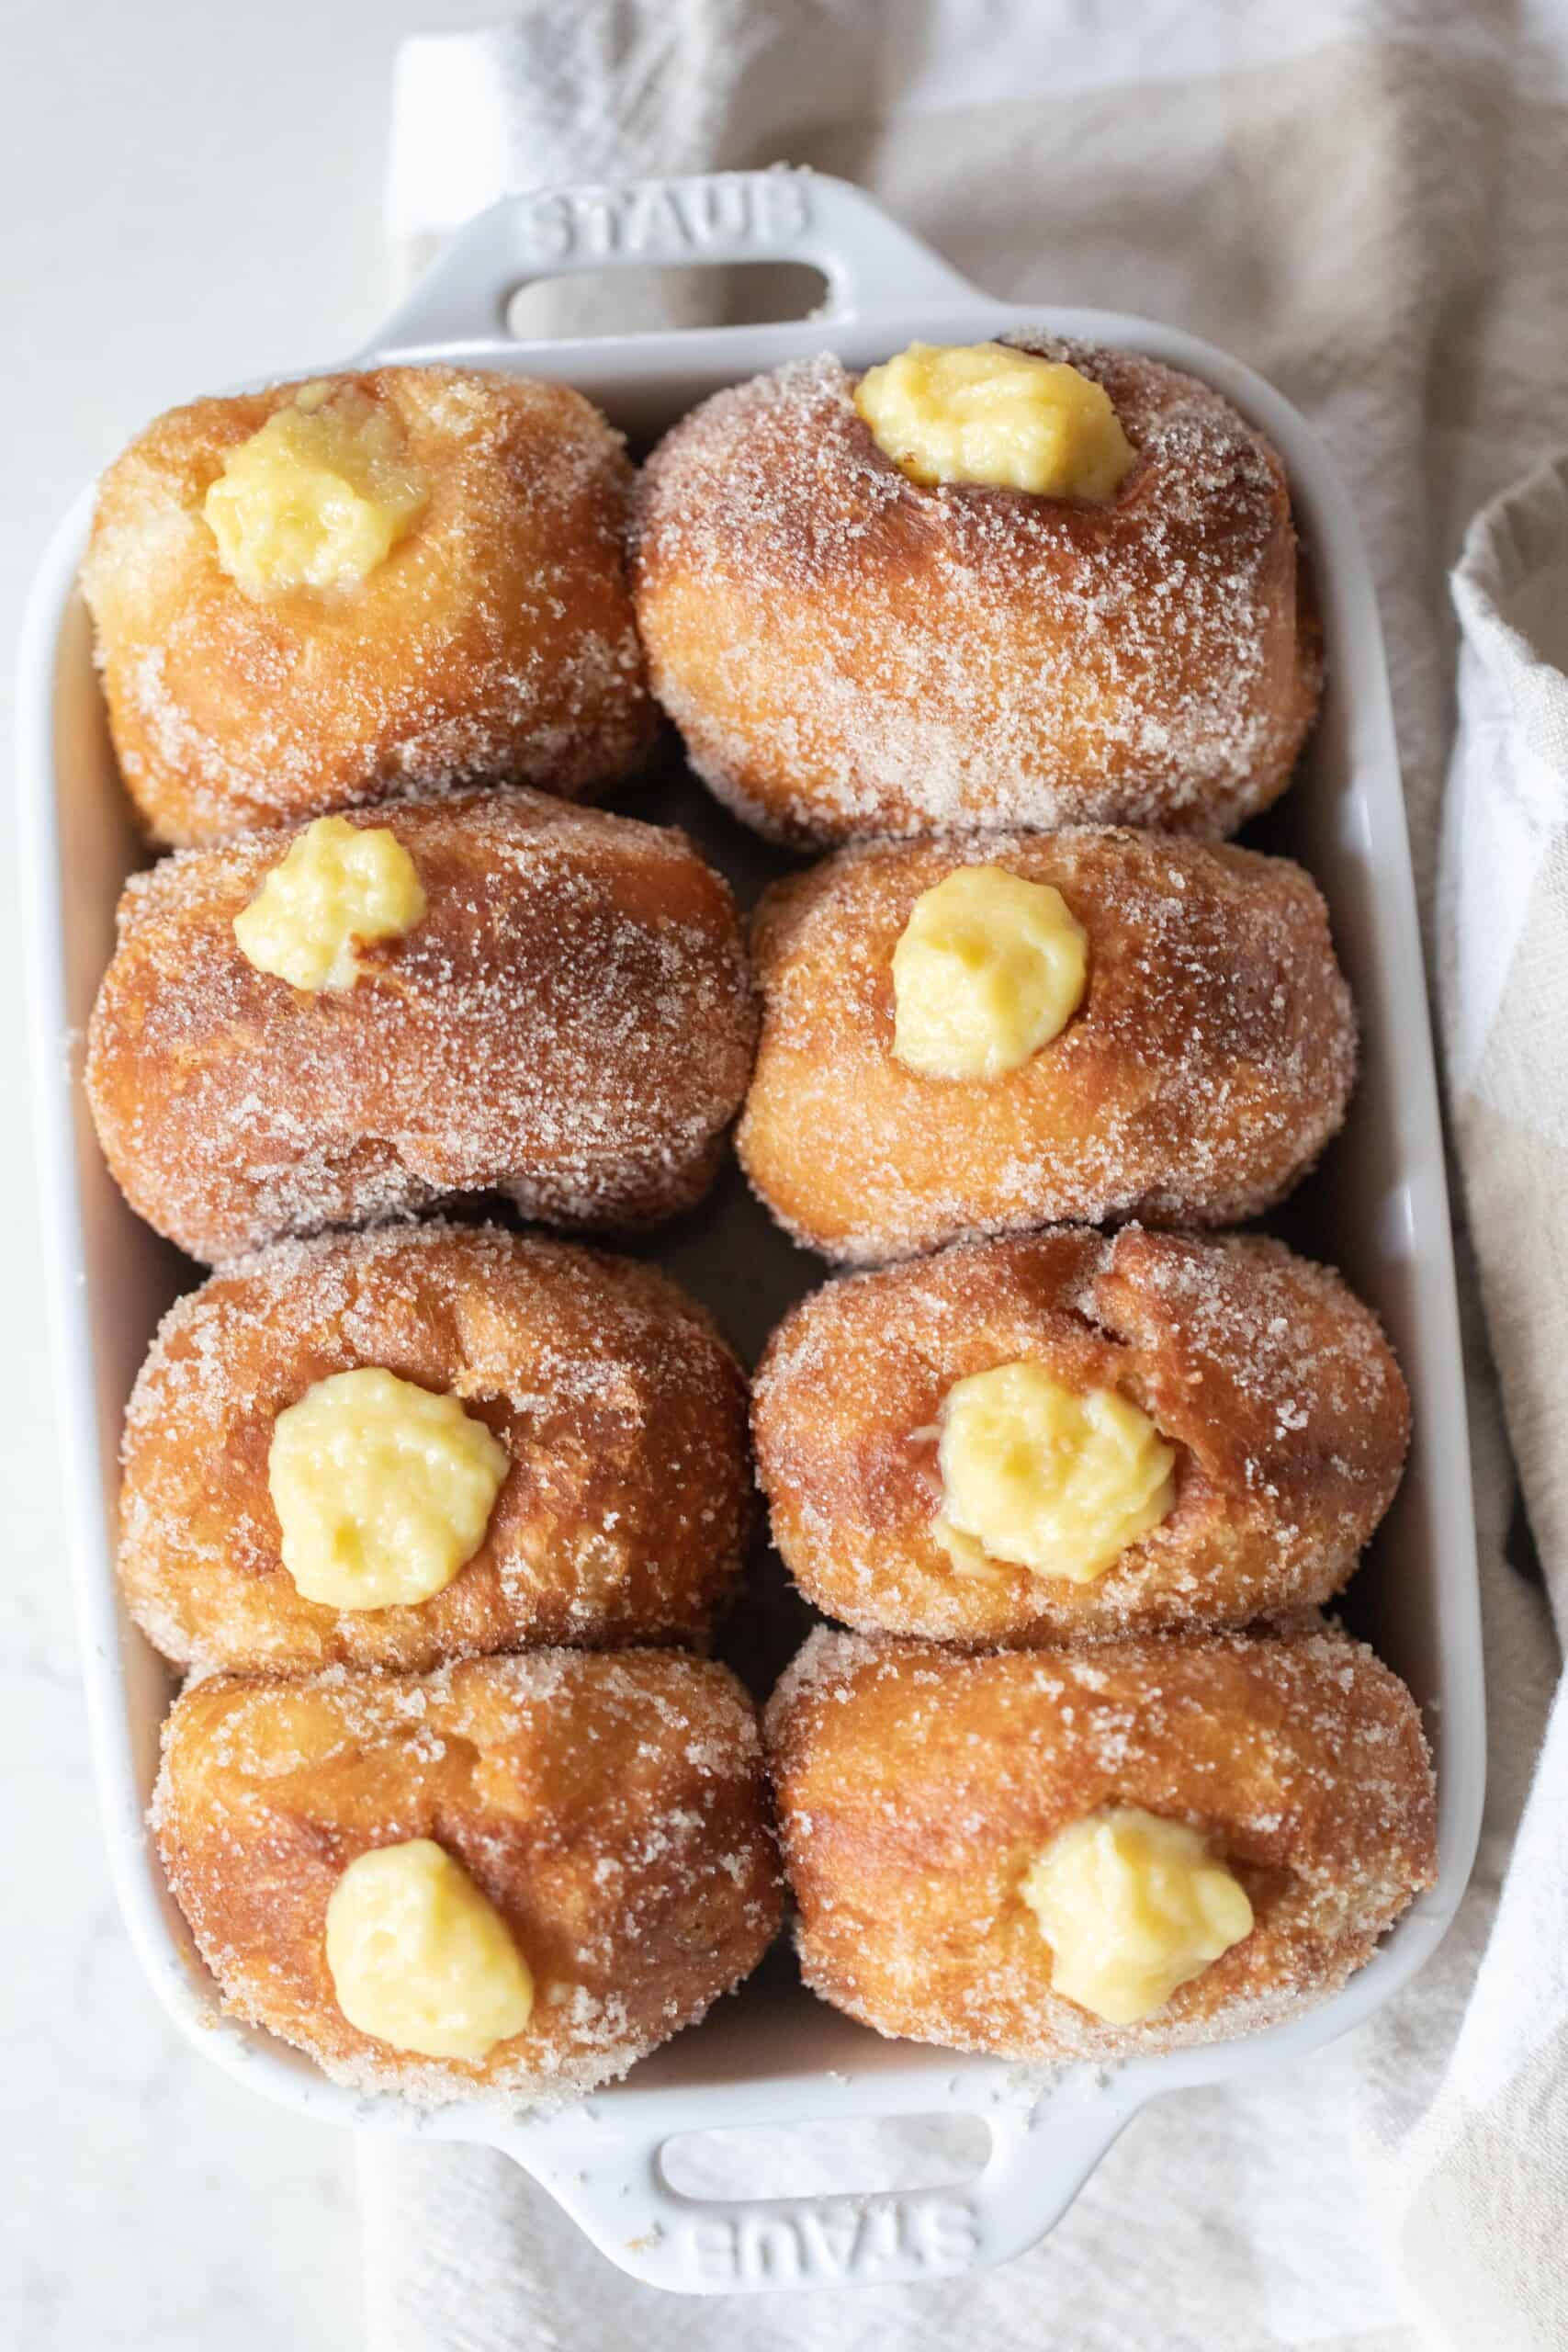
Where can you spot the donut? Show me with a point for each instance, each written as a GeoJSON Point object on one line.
{"type": "Point", "coordinates": [1200, 1835]}
{"type": "Point", "coordinates": [564, 1017]}
{"type": "Point", "coordinates": [1204, 1060]}
{"type": "Point", "coordinates": [318, 595]}
{"type": "Point", "coordinates": [849, 653]}
{"type": "Point", "coordinates": [617, 1509]}
{"type": "Point", "coordinates": [564, 1858]}
{"type": "Point", "coordinates": [1063, 1436]}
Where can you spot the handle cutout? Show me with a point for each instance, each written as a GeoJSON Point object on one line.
{"type": "Point", "coordinates": [849, 2157]}
{"type": "Point", "coordinates": [648, 299]}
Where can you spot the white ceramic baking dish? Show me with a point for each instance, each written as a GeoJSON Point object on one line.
{"type": "Point", "coordinates": [1378, 1208]}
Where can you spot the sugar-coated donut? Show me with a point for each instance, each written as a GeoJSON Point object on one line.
{"type": "Point", "coordinates": [1209, 1062]}
{"type": "Point", "coordinates": [917, 1789]}
{"type": "Point", "coordinates": [1272, 1384]}
{"type": "Point", "coordinates": [494, 643]}
{"type": "Point", "coordinates": [622, 1515]}
{"type": "Point", "coordinates": [613, 1810]}
{"type": "Point", "coordinates": [849, 653]}
{"type": "Point", "coordinates": [570, 1022]}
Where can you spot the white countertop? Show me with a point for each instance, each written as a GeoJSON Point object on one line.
{"type": "Point", "coordinates": [185, 199]}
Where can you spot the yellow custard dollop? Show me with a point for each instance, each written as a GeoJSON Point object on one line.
{"type": "Point", "coordinates": [1132, 1906]}
{"type": "Point", "coordinates": [382, 1489]}
{"type": "Point", "coordinates": [983, 412]}
{"type": "Point", "coordinates": [1045, 1477]}
{"type": "Point", "coordinates": [339, 888]}
{"type": "Point", "coordinates": [421, 1959]}
{"type": "Point", "coordinates": [989, 969]}
{"type": "Point", "coordinates": [317, 497]}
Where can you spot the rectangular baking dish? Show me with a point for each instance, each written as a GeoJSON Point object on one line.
{"type": "Point", "coordinates": [1378, 1208]}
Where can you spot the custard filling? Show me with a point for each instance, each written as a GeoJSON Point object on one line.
{"type": "Point", "coordinates": [421, 1959]}
{"type": "Point", "coordinates": [989, 969]}
{"type": "Point", "coordinates": [339, 888]}
{"type": "Point", "coordinates": [985, 414]}
{"type": "Point", "coordinates": [318, 496]}
{"type": "Point", "coordinates": [1047, 1477]}
{"type": "Point", "coordinates": [383, 1490]}
{"type": "Point", "coordinates": [1132, 1906]}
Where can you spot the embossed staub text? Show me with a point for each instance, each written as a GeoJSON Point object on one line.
{"type": "Point", "coordinates": [670, 219]}
{"type": "Point", "coordinates": [884, 2236]}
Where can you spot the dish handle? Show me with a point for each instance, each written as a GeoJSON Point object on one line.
{"type": "Point", "coordinates": [872, 265]}
{"type": "Point", "coordinates": [612, 2183]}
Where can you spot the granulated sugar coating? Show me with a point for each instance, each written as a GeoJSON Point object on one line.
{"type": "Point", "coordinates": [847, 653]}
{"type": "Point", "coordinates": [1209, 1062]}
{"type": "Point", "coordinates": [625, 1508]}
{"type": "Point", "coordinates": [573, 1026]}
{"type": "Point", "coordinates": [917, 1788]}
{"type": "Point", "coordinates": [570, 1023]}
{"type": "Point", "coordinates": [495, 644]}
{"type": "Point", "coordinates": [1273, 1384]}
{"type": "Point", "coordinates": [613, 1809]}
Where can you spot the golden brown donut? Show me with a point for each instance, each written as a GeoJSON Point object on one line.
{"type": "Point", "coordinates": [494, 644]}
{"type": "Point", "coordinates": [570, 1023]}
{"type": "Point", "coordinates": [611, 1808]}
{"type": "Point", "coordinates": [916, 1788]}
{"type": "Point", "coordinates": [1209, 1063]}
{"type": "Point", "coordinates": [622, 1517]}
{"type": "Point", "coordinates": [1271, 1382]}
{"type": "Point", "coordinates": [848, 653]}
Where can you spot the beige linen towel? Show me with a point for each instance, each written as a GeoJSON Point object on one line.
{"type": "Point", "coordinates": [1368, 203]}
